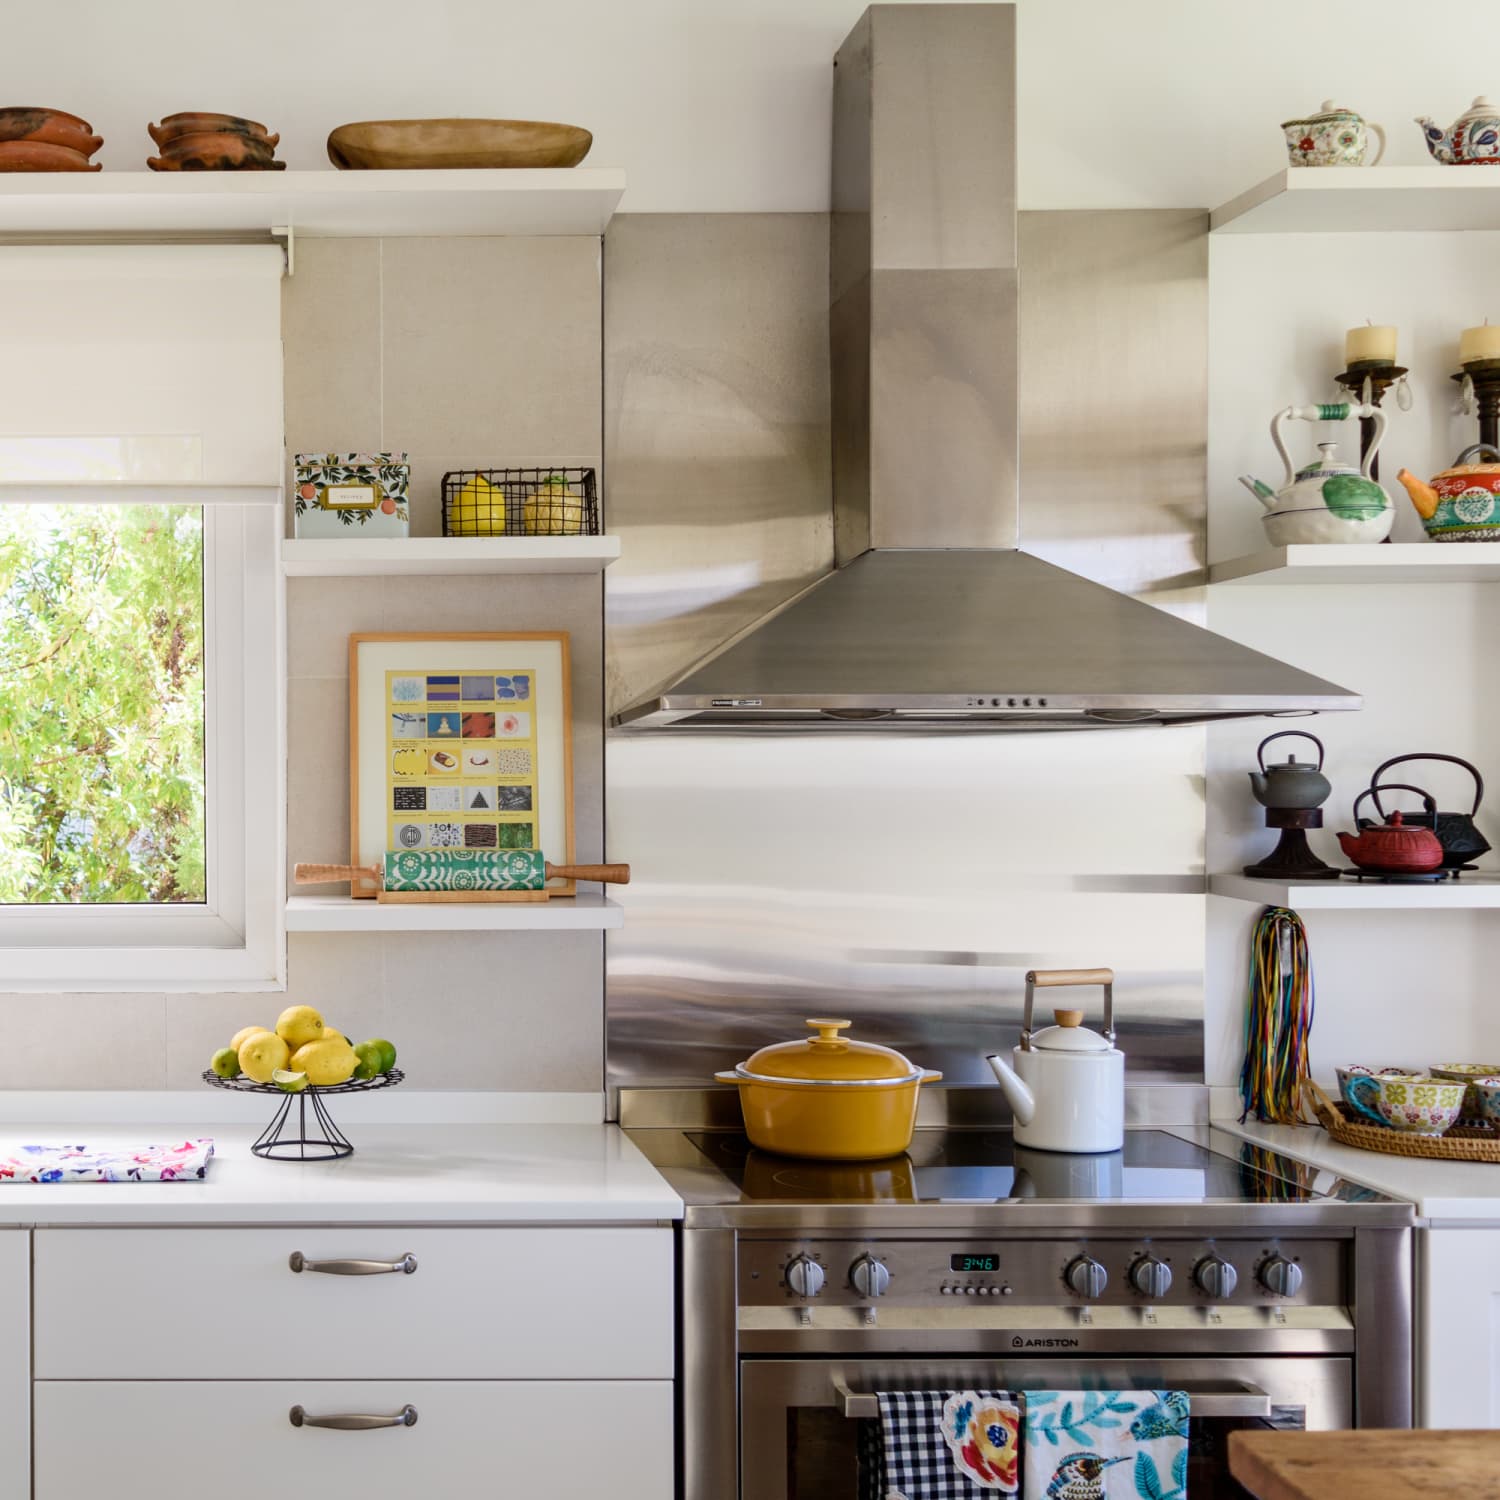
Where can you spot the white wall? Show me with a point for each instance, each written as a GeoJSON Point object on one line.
{"type": "Point", "coordinates": [1401, 987]}
{"type": "Point", "coordinates": [720, 107]}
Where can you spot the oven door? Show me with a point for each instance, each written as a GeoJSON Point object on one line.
{"type": "Point", "coordinates": [799, 1418]}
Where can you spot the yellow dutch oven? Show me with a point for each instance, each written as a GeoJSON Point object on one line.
{"type": "Point", "coordinates": [828, 1097]}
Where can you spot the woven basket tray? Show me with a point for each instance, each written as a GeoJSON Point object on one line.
{"type": "Point", "coordinates": [1458, 1143]}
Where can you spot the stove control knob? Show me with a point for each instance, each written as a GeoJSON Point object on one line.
{"type": "Point", "coordinates": [1281, 1276]}
{"type": "Point", "coordinates": [804, 1276]}
{"type": "Point", "coordinates": [868, 1277]}
{"type": "Point", "coordinates": [1151, 1277]}
{"type": "Point", "coordinates": [1086, 1277]}
{"type": "Point", "coordinates": [1216, 1278]}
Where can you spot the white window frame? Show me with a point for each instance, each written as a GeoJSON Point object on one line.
{"type": "Point", "coordinates": [236, 939]}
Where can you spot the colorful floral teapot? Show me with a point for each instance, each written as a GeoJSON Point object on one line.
{"type": "Point", "coordinates": [1333, 137]}
{"type": "Point", "coordinates": [1462, 504]}
{"type": "Point", "coordinates": [1328, 501]}
{"type": "Point", "coordinates": [1472, 140]}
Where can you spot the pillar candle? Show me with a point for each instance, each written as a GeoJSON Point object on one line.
{"type": "Point", "coordinates": [1372, 342]}
{"type": "Point", "coordinates": [1478, 343]}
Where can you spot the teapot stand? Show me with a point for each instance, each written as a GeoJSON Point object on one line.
{"type": "Point", "coordinates": [1405, 877]}
{"type": "Point", "coordinates": [1292, 859]}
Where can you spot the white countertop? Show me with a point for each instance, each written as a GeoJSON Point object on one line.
{"type": "Point", "coordinates": [399, 1174]}
{"type": "Point", "coordinates": [1443, 1191]}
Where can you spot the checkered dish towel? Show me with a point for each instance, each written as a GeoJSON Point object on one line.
{"type": "Point", "coordinates": [1106, 1445]}
{"type": "Point", "coordinates": [185, 1162]}
{"type": "Point", "coordinates": [940, 1445]}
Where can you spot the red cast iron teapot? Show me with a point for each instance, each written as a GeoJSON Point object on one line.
{"type": "Point", "coordinates": [1394, 847]}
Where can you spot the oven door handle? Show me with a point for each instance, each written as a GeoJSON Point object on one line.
{"type": "Point", "coordinates": [1243, 1400]}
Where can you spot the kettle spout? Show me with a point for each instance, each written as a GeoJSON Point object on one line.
{"type": "Point", "coordinates": [1020, 1098]}
{"type": "Point", "coordinates": [1260, 489]}
{"type": "Point", "coordinates": [1259, 785]}
{"type": "Point", "coordinates": [1437, 140]}
{"type": "Point", "coordinates": [1350, 844]}
{"type": "Point", "coordinates": [1423, 496]}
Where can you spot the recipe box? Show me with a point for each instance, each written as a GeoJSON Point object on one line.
{"type": "Point", "coordinates": [351, 494]}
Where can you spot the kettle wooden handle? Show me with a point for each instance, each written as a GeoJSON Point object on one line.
{"type": "Point", "coordinates": [1050, 978]}
{"type": "Point", "coordinates": [1454, 760]}
{"type": "Point", "coordinates": [1301, 734]}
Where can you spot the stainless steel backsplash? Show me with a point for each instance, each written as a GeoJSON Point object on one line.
{"type": "Point", "coordinates": [907, 882]}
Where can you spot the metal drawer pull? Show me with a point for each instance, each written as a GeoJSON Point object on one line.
{"type": "Point", "coordinates": [354, 1421]}
{"type": "Point", "coordinates": [299, 1262]}
{"type": "Point", "coordinates": [1243, 1400]}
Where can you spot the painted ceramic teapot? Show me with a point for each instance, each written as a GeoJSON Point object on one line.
{"type": "Point", "coordinates": [1333, 137]}
{"type": "Point", "coordinates": [1329, 500]}
{"type": "Point", "coordinates": [1472, 140]}
{"type": "Point", "coordinates": [1462, 504]}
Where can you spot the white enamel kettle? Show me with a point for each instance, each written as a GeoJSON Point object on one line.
{"type": "Point", "coordinates": [1066, 1084]}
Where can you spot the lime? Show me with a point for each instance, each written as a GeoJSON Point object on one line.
{"type": "Point", "coordinates": [291, 1083]}
{"type": "Point", "coordinates": [371, 1056]}
{"type": "Point", "coordinates": [298, 1025]}
{"type": "Point", "coordinates": [226, 1063]}
{"type": "Point", "coordinates": [388, 1060]}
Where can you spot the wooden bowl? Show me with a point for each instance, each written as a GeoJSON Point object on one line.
{"type": "Point", "coordinates": [393, 145]}
{"type": "Point", "coordinates": [50, 127]}
{"type": "Point", "coordinates": [196, 122]}
{"type": "Point", "coordinates": [216, 151]}
{"type": "Point", "coordinates": [41, 156]}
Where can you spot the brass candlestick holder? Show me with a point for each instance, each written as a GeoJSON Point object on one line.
{"type": "Point", "coordinates": [1482, 376]}
{"type": "Point", "coordinates": [1368, 380]}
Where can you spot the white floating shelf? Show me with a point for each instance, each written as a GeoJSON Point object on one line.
{"type": "Point", "coordinates": [410, 556]}
{"type": "Point", "coordinates": [1390, 562]}
{"type": "Point", "coordinates": [524, 201]}
{"type": "Point", "coordinates": [584, 913]}
{"type": "Point", "coordinates": [1333, 200]}
{"type": "Point", "coordinates": [1467, 893]}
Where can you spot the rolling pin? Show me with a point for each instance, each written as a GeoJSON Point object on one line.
{"type": "Point", "coordinates": [461, 870]}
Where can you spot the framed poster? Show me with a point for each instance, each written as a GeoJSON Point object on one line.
{"type": "Point", "coordinates": [460, 741]}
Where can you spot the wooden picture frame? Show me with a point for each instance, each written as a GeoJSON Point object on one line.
{"type": "Point", "coordinates": [386, 669]}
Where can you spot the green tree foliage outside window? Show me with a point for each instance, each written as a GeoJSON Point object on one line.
{"type": "Point", "coordinates": [101, 704]}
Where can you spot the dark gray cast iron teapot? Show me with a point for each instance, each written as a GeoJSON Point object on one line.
{"type": "Point", "coordinates": [1290, 783]}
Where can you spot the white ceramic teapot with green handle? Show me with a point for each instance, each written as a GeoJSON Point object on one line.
{"type": "Point", "coordinates": [1329, 500]}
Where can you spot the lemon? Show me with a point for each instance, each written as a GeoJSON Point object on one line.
{"type": "Point", "coordinates": [552, 509]}
{"type": "Point", "coordinates": [298, 1025]}
{"type": "Point", "coordinates": [262, 1054]}
{"type": "Point", "coordinates": [226, 1063]}
{"type": "Point", "coordinates": [327, 1061]}
{"type": "Point", "coordinates": [477, 510]}
{"type": "Point", "coordinates": [244, 1034]}
{"type": "Point", "coordinates": [291, 1083]}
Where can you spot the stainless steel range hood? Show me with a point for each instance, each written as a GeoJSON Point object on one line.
{"type": "Point", "coordinates": [937, 617]}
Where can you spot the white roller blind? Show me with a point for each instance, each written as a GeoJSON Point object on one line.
{"type": "Point", "coordinates": [140, 366]}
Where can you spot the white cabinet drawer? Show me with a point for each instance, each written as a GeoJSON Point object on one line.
{"type": "Point", "coordinates": [15, 1361]}
{"type": "Point", "coordinates": [181, 1440]}
{"type": "Point", "coordinates": [183, 1304]}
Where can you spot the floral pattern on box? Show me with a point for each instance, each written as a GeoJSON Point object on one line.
{"type": "Point", "coordinates": [184, 1162]}
{"type": "Point", "coordinates": [339, 493]}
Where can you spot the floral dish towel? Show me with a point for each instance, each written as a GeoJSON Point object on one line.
{"type": "Point", "coordinates": [1105, 1445]}
{"type": "Point", "coordinates": [186, 1162]}
{"type": "Point", "coordinates": [941, 1445]}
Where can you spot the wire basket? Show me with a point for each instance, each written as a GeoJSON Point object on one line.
{"type": "Point", "coordinates": [557, 501]}
{"type": "Point", "coordinates": [316, 1137]}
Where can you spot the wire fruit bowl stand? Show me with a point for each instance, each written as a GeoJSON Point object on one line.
{"type": "Point", "coordinates": [326, 1142]}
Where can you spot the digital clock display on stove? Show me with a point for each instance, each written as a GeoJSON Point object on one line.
{"type": "Point", "coordinates": [974, 1262]}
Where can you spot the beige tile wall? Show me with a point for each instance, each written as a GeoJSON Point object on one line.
{"type": "Point", "coordinates": [465, 353]}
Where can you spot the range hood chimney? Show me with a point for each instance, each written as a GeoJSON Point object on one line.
{"type": "Point", "coordinates": [936, 618]}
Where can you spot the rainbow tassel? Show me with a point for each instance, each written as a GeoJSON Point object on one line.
{"type": "Point", "coordinates": [1278, 1019]}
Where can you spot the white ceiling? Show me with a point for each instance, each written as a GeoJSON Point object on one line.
{"type": "Point", "coordinates": [715, 106]}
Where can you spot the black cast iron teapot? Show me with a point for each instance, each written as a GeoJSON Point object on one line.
{"type": "Point", "coordinates": [1462, 842]}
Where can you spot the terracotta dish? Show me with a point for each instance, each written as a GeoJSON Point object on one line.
{"type": "Point", "coordinates": [50, 126]}
{"type": "Point", "coordinates": [195, 122]}
{"type": "Point", "coordinates": [389, 145]}
{"type": "Point", "coordinates": [40, 156]}
{"type": "Point", "coordinates": [216, 151]}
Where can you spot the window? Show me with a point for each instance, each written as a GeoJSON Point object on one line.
{"type": "Point", "coordinates": [140, 620]}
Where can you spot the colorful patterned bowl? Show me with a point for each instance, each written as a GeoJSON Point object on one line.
{"type": "Point", "coordinates": [1482, 1101]}
{"type": "Point", "coordinates": [1346, 1077]}
{"type": "Point", "coordinates": [1411, 1102]}
{"type": "Point", "coordinates": [1472, 1074]}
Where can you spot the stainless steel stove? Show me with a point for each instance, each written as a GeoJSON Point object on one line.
{"type": "Point", "coordinates": [1273, 1294]}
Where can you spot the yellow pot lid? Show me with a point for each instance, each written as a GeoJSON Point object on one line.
{"type": "Point", "coordinates": [830, 1058]}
